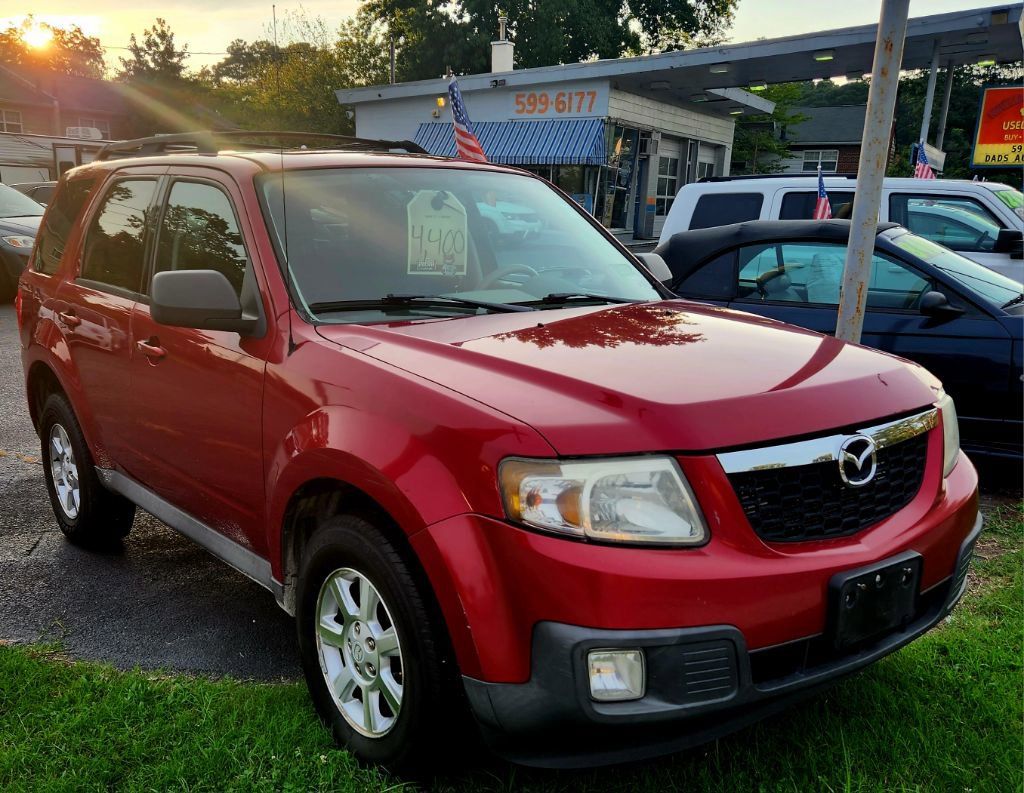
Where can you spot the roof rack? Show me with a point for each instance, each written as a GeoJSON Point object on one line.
{"type": "Point", "coordinates": [813, 175]}
{"type": "Point", "coordinates": [210, 142]}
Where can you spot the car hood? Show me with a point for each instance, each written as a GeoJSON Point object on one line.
{"type": "Point", "coordinates": [670, 376]}
{"type": "Point", "coordinates": [22, 224]}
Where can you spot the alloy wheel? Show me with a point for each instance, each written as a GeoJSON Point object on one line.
{"type": "Point", "coordinates": [65, 471]}
{"type": "Point", "coordinates": [360, 655]}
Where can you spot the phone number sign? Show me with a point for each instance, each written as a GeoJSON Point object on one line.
{"type": "Point", "coordinates": [999, 138]}
{"type": "Point", "coordinates": [575, 101]}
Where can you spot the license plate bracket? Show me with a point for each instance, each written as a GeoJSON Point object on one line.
{"type": "Point", "coordinates": [874, 599]}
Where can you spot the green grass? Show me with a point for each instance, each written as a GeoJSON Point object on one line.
{"type": "Point", "coordinates": [944, 714]}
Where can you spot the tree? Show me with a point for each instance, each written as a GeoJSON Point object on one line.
{"type": "Point", "coordinates": [69, 51]}
{"type": "Point", "coordinates": [156, 59]}
{"type": "Point", "coordinates": [759, 143]}
{"type": "Point", "coordinates": [455, 33]}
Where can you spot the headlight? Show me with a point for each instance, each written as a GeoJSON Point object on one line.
{"type": "Point", "coordinates": [631, 500]}
{"type": "Point", "coordinates": [17, 241]}
{"type": "Point", "coordinates": [950, 434]}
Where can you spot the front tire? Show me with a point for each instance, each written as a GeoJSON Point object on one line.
{"type": "Point", "coordinates": [88, 513]}
{"type": "Point", "coordinates": [375, 657]}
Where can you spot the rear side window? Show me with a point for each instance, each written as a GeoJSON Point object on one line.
{"type": "Point", "coordinates": [57, 225]}
{"type": "Point", "coordinates": [715, 280]}
{"type": "Point", "coordinates": [115, 244]}
{"type": "Point", "coordinates": [199, 232]}
{"type": "Point", "coordinates": [800, 205]}
{"type": "Point", "coordinates": [721, 209]}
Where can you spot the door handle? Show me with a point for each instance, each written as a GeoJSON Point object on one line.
{"type": "Point", "coordinates": [151, 349]}
{"type": "Point", "coordinates": [69, 318]}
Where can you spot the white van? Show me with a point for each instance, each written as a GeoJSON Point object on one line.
{"type": "Point", "coordinates": [983, 221]}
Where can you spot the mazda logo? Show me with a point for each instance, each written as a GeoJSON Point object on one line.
{"type": "Point", "coordinates": [858, 461]}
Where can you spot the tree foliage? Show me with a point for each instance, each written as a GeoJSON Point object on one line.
{"type": "Point", "coordinates": [156, 58]}
{"type": "Point", "coordinates": [456, 33]}
{"type": "Point", "coordinates": [758, 145]}
{"type": "Point", "coordinates": [70, 51]}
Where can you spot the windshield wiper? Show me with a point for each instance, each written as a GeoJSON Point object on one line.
{"type": "Point", "coordinates": [398, 301]}
{"type": "Point", "coordinates": [556, 298]}
{"type": "Point", "coordinates": [1018, 299]}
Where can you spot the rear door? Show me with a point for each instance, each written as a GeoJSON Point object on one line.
{"type": "Point", "coordinates": [799, 282]}
{"type": "Point", "coordinates": [198, 394]}
{"type": "Point", "coordinates": [93, 308]}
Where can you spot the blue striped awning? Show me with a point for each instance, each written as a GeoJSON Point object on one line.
{"type": "Point", "coordinates": [546, 142]}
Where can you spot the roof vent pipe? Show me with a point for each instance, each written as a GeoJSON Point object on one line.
{"type": "Point", "coordinates": [502, 49]}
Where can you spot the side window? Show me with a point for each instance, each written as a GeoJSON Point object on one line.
{"type": "Point", "coordinates": [800, 205]}
{"type": "Point", "coordinates": [713, 280]}
{"type": "Point", "coordinates": [199, 232]}
{"type": "Point", "coordinates": [812, 274]}
{"type": "Point", "coordinates": [115, 244]}
{"type": "Point", "coordinates": [959, 223]}
{"type": "Point", "coordinates": [57, 224]}
{"type": "Point", "coordinates": [721, 209]}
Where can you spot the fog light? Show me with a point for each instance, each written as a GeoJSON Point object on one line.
{"type": "Point", "coordinates": [616, 675]}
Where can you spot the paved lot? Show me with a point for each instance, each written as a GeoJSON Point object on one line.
{"type": "Point", "coordinates": [160, 602]}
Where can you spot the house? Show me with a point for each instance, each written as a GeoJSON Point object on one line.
{"type": "Point", "coordinates": [827, 136]}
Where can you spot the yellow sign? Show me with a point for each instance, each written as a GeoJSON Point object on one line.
{"type": "Point", "coordinates": [437, 234]}
{"type": "Point", "coordinates": [999, 139]}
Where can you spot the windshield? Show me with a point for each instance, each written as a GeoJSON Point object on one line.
{"type": "Point", "coordinates": [989, 284]}
{"type": "Point", "coordinates": [14, 204]}
{"type": "Point", "coordinates": [369, 234]}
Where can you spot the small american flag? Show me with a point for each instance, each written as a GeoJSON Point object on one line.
{"type": "Point", "coordinates": [467, 147]}
{"type": "Point", "coordinates": [822, 208]}
{"type": "Point", "coordinates": [923, 170]}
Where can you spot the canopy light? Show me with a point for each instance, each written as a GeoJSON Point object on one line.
{"type": "Point", "coordinates": [758, 86]}
{"type": "Point", "coordinates": [977, 38]}
{"type": "Point", "coordinates": [986, 60]}
{"type": "Point", "coordinates": [701, 97]}
{"type": "Point", "coordinates": [660, 85]}
{"type": "Point", "coordinates": [736, 112]}
{"type": "Point", "coordinates": [824, 55]}
{"type": "Point", "coordinates": [719, 68]}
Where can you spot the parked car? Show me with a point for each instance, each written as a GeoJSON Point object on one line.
{"type": "Point", "coordinates": [925, 302]}
{"type": "Point", "coordinates": [983, 221]}
{"type": "Point", "coordinates": [19, 220]}
{"type": "Point", "coordinates": [40, 192]}
{"type": "Point", "coordinates": [509, 221]}
{"type": "Point", "coordinates": [564, 505]}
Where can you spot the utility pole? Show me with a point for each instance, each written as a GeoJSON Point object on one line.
{"type": "Point", "coordinates": [874, 156]}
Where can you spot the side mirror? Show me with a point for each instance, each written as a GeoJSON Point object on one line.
{"type": "Point", "coordinates": [657, 266]}
{"type": "Point", "coordinates": [201, 299]}
{"type": "Point", "coordinates": [1010, 241]}
{"type": "Point", "coordinates": [936, 305]}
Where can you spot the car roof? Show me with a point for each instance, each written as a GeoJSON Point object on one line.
{"type": "Point", "coordinates": [689, 249]}
{"type": "Point", "coordinates": [759, 183]}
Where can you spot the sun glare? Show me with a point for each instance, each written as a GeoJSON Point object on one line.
{"type": "Point", "coordinates": [37, 36]}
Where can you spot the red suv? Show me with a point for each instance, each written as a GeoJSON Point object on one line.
{"type": "Point", "coordinates": [505, 478]}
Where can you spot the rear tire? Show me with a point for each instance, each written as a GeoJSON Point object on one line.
{"type": "Point", "coordinates": [88, 513]}
{"type": "Point", "coordinates": [365, 625]}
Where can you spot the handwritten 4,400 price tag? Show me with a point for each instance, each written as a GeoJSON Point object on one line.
{"type": "Point", "coordinates": [437, 234]}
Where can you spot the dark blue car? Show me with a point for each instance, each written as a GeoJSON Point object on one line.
{"type": "Point", "coordinates": [960, 320]}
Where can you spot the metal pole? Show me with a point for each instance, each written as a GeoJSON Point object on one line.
{"type": "Point", "coordinates": [946, 91]}
{"type": "Point", "coordinates": [929, 96]}
{"type": "Point", "coordinates": [874, 156]}
{"type": "Point", "coordinates": [391, 39]}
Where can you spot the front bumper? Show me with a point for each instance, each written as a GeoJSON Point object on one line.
{"type": "Point", "coordinates": [702, 683]}
{"type": "Point", "coordinates": [13, 262]}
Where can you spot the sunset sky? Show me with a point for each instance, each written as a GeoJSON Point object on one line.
{"type": "Point", "coordinates": [208, 27]}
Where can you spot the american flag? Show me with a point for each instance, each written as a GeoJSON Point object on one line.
{"type": "Point", "coordinates": [467, 147]}
{"type": "Point", "coordinates": [822, 208]}
{"type": "Point", "coordinates": [923, 170]}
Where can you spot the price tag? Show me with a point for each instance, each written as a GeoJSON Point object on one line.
{"type": "Point", "coordinates": [437, 234]}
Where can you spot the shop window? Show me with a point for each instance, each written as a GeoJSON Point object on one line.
{"type": "Point", "coordinates": [828, 159]}
{"type": "Point", "coordinates": [705, 170]}
{"type": "Point", "coordinates": [668, 183]}
{"type": "Point", "coordinates": [10, 121]}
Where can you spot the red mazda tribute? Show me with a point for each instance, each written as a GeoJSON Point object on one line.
{"type": "Point", "coordinates": [489, 477]}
